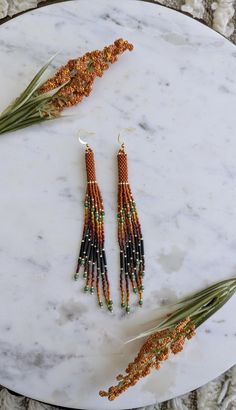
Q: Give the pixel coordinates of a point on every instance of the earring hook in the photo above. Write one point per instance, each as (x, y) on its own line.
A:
(122, 144)
(85, 133)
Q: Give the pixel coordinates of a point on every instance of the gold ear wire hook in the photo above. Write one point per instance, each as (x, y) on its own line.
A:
(122, 144)
(81, 131)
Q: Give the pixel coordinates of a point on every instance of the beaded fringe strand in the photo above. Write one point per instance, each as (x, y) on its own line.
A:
(132, 260)
(92, 256)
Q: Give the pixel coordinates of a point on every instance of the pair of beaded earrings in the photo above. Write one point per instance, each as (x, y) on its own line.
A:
(92, 256)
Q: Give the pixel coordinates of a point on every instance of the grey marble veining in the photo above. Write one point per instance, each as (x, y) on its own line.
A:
(176, 91)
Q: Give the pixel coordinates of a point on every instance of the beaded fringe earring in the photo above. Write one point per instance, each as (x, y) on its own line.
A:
(92, 256)
(132, 263)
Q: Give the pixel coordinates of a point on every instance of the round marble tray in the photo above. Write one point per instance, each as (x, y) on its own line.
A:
(177, 91)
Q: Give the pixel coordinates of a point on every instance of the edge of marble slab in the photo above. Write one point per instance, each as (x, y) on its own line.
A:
(217, 35)
(98, 407)
(41, 5)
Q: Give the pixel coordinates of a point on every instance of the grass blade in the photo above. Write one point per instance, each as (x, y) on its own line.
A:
(29, 90)
(198, 308)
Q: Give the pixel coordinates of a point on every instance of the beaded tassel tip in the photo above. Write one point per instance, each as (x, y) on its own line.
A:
(92, 256)
(132, 260)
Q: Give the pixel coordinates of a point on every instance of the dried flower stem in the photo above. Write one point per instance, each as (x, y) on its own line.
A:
(171, 333)
(72, 82)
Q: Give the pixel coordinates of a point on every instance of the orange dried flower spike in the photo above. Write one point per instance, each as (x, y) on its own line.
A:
(155, 350)
(67, 87)
(79, 74)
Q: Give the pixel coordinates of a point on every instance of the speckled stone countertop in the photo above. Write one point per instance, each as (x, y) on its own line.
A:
(176, 91)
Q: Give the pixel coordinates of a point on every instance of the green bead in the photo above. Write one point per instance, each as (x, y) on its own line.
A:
(110, 302)
(103, 213)
(123, 305)
(100, 304)
(85, 275)
(76, 276)
(86, 288)
(141, 287)
(140, 302)
(134, 290)
(142, 274)
(92, 290)
(110, 308)
(127, 309)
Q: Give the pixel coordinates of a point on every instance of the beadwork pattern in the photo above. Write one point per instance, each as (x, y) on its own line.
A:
(132, 259)
(92, 256)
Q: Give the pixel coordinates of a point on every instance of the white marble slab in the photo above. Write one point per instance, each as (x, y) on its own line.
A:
(177, 90)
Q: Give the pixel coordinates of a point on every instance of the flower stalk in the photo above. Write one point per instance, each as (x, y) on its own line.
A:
(171, 332)
(71, 83)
